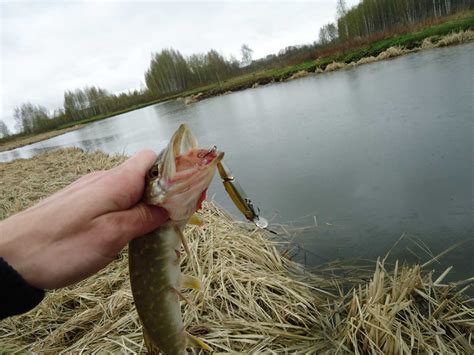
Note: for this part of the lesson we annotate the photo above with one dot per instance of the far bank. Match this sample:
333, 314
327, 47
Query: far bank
449, 33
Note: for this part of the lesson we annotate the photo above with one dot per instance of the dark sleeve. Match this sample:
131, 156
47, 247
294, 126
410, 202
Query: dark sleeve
16, 295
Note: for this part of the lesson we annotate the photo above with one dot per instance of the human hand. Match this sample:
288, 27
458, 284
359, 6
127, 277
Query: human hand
77, 231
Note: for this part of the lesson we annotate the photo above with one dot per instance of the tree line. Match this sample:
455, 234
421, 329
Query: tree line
80, 104
373, 16
170, 72
363, 20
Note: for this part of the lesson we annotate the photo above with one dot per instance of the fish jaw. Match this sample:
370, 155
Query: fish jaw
181, 175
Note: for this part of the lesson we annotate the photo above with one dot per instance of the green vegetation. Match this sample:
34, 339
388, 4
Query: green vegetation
263, 77
172, 75
171, 72
408, 40
374, 16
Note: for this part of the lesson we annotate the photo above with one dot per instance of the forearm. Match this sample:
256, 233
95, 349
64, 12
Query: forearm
19, 244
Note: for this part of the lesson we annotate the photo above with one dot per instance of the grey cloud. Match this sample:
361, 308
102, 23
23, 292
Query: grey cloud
47, 48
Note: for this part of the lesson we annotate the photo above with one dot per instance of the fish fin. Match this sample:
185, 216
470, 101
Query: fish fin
195, 220
183, 297
149, 344
188, 281
195, 342
183, 239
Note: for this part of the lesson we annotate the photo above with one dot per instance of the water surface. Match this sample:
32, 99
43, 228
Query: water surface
366, 154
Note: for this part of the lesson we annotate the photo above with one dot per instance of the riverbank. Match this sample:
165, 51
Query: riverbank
432, 37
254, 299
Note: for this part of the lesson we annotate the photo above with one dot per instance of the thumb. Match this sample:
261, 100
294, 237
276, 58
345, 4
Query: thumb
139, 163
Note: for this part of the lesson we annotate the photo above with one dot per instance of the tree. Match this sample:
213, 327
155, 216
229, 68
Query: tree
331, 30
341, 8
246, 55
341, 19
170, 72
372, 16
4, 131
327, 33
323, 36
31, 119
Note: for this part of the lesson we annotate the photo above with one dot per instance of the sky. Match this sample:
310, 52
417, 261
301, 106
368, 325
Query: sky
48, 47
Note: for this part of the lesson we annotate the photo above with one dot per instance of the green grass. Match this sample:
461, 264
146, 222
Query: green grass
409, 41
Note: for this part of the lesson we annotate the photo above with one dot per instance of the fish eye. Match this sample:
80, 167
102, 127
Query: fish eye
154, 172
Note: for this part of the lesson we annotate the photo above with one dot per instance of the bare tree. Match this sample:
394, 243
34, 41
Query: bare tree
341, 19
324, 36
4, 131
372, 16
246, 54
331, 30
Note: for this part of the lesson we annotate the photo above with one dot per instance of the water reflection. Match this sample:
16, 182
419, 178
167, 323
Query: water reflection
97, 143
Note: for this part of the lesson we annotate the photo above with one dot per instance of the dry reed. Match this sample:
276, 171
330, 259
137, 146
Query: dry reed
335, 66
253, 299
366, 60
299, 74
392, 52
428, 43
448, 40
456, 38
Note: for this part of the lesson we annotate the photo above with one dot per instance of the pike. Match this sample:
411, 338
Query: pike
177, 182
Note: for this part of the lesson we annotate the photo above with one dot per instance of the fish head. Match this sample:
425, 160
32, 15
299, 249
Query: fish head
179, 178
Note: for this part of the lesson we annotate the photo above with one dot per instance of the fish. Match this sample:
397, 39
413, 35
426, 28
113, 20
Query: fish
177, 182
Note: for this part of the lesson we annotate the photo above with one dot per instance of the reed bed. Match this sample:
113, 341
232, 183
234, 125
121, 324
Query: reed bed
364, 60
453, 38
253, 299
299, 74
456, 38
392, 52
335, 66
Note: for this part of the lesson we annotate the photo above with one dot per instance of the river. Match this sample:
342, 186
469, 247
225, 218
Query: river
364, 155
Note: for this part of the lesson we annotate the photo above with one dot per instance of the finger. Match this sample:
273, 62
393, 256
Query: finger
139, 163
122, 187
137, 221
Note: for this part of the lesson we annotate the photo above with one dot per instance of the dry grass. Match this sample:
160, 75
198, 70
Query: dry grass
456, 38
12, 143
392, 52
335, 66
299, 74
448, 40
366, 60
428, 43
253, 299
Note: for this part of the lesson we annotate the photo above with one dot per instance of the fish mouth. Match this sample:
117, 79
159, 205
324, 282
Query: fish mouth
184, 173
182, 142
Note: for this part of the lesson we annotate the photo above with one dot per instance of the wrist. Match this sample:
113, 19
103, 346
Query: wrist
15, 241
